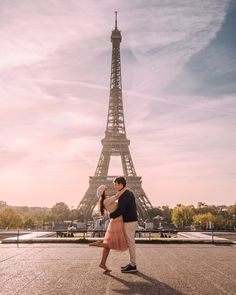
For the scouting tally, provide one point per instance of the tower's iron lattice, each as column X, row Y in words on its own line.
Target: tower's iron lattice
column 115, row 143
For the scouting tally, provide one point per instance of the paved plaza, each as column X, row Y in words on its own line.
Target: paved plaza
column 73, row 269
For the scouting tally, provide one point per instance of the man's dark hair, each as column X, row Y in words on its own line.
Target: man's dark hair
column 120, row 180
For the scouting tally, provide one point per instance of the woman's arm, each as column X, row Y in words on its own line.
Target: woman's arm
column 112, row 199
column 120, row 193
column 109, row 200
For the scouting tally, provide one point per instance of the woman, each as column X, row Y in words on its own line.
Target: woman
column 115, row 236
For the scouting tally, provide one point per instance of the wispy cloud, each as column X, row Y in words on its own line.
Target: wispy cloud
column 212, row 70
column 54, row 91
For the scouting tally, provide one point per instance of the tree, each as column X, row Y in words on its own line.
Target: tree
column 182, row 216
column 167, row 214
column 61, row 211
column 231, row 222
column 219, row 222
column 28, row 222
column 203, row 208
column 74, row 213
column 232, row 210
column 3, row 204
column 10, row 219
column 204, row 220
column 154, row 212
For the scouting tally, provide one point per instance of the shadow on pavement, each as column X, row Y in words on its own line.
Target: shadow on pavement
column 150, row 287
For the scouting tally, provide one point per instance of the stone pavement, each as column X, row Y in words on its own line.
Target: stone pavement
column 73, row 269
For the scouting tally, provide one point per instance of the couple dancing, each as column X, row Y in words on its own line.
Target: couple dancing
column 120, row 234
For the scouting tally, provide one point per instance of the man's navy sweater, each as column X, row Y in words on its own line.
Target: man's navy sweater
column 126, row 207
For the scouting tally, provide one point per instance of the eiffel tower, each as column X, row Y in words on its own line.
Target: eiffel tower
column 115, row 143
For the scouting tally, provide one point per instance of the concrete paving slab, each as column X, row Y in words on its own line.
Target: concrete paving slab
column 73, row 269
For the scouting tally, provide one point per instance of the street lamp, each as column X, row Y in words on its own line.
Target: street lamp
column 71, row 213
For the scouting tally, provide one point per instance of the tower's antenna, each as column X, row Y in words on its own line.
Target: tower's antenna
column 115, row 20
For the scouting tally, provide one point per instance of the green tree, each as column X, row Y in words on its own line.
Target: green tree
column 232, row 210
column 203, row 208
column 219, row 222
column 231, row 220
column 203, row 220
column 10, row 219
column 28, row 222
column 74, row 213
column 167, row 214
column 182, row 216
column 154, row 212
column 61, row 211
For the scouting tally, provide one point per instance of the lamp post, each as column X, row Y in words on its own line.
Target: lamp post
column 71, row 213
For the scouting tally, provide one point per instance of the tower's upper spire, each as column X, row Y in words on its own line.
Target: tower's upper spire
column 115, row 20
column 116, row 34
column 115, row 120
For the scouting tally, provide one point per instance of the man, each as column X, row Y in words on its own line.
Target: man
column 127, row 208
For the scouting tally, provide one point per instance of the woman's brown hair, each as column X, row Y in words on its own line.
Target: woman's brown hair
column 101, row 204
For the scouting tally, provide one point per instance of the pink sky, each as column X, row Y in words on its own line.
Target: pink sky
column 54, row 92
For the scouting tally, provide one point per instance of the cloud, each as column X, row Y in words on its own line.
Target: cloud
column 212, row 70
column 54, row 92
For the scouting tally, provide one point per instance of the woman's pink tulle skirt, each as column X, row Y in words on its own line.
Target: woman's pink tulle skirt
column 115, row 235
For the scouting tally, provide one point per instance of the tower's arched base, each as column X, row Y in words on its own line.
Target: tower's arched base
column 90, row 200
